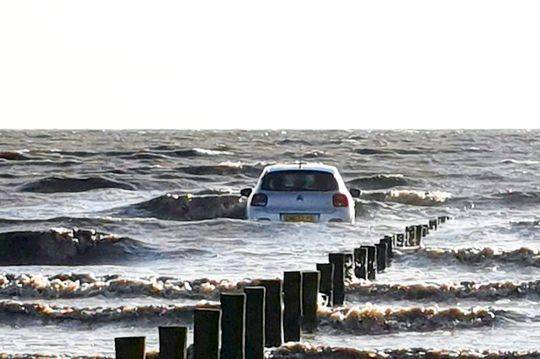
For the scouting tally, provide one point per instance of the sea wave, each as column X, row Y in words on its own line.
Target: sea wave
column 522, row 256
column 380, row 181
column 71, row 184
column 308, row 351
column 371, row 319
column 13, row 156
column 62, row 246
column 410, row 197
column 517, row 197
column 70, row 285
column 445, row 291
column 223, row 168
column 11, row 311
column 189, row 207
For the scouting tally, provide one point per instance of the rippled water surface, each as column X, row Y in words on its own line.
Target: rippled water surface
column 159, row 226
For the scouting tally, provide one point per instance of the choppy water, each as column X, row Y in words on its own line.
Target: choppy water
column 113, row 233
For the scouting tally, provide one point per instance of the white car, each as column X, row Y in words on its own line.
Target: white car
column 301, row 193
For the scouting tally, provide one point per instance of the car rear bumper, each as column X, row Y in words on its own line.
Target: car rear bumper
column 345, row 215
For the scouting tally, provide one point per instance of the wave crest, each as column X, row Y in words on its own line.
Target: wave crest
column 371, row 319
column 71, row 184
column 523, row 256
column 188, row 207
column 64, row 247
column 410, row 197
column 85, row 286
column 307, row 350
column 446, row 291
column 380, row 181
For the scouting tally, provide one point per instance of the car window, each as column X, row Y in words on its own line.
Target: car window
column 299, row 180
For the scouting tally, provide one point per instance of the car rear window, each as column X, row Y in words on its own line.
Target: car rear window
column 299, row 180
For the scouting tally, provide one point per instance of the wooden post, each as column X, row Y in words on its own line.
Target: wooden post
column 425, row 230
column 389, row 247
column 325, row 283
column 129, row 347
column 349, row 267
column 255, row 322
column 338, row 282
column 411, row 235
column 433, row 223
column 206, row 324
column 400, row 240
column 418, row 235
column 233, row 307
column 172, row 342
column 381, row 256
column 360, row 262
column 292, row 306
column 310, row 289
column 273, row 327
column 371, row 261
column 442, row 219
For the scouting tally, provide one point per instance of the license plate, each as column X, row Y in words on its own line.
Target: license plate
column 299, row 218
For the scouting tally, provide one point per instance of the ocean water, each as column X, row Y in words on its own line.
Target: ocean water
column 111, row 233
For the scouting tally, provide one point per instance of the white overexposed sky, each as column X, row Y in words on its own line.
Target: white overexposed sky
column 269, row 64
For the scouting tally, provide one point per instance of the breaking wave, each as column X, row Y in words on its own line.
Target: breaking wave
column 14, row 310
column 446, row 291
column 62, row 286
column 67, row 184
column 188, row 207
column 223, row 168
column 307, row 351
column 518, row 197
column 380, row 181
column 371, row 319
column 13, row 156
column 64, row 247
column 410, row 197
column 522, row 256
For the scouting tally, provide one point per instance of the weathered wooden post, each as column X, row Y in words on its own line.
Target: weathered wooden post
column 129, row 347
column 338, row 281
column 411, row 235
column 172, row 342
column 425, row 230
column 389, row 247
column 349, row 267
column 310, row 289
column 418, row 235
column 206, row 324
column 433, row 224
column 442, row 219
column 255, row 322
column 273, row 327
column 360, row 262
column 292, row 306
column 371, row 261
column 400, row 240
column 381, row 256
column 233, row 307
column 325, row 282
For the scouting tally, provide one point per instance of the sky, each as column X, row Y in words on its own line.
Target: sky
column 269, row 64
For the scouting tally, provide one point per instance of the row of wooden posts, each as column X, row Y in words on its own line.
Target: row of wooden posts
column 275, row 311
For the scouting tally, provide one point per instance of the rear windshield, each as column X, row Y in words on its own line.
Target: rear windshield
column 295, row 180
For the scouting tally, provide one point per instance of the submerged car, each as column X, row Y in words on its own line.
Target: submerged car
column 301, row 193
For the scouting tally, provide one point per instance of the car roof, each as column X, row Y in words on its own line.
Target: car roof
column 301, row 166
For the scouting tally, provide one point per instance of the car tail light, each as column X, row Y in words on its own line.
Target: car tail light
column 259, row 200
column 340, row 200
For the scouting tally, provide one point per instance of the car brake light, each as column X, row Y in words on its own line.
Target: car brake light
column 340, row 200
column 259, row 200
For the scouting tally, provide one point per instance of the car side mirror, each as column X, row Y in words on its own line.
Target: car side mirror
column 246, row 192
column 355, row 192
